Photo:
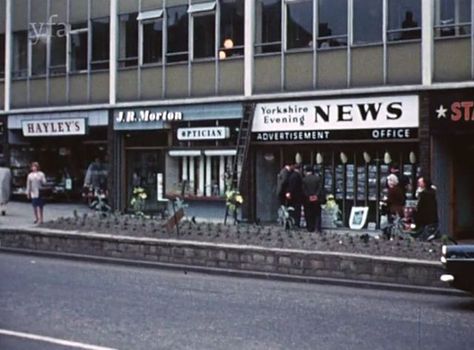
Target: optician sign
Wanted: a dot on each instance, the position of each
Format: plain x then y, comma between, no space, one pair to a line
394,117
205,133
54,127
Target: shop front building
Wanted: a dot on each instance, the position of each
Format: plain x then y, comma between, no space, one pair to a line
175,151
64,144
349,142
452,135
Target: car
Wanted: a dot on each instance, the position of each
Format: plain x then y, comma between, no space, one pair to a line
458,261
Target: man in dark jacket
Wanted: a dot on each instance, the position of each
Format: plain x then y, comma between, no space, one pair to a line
282,183
295,194
427,208
312,190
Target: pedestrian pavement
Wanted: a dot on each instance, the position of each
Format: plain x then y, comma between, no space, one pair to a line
19,214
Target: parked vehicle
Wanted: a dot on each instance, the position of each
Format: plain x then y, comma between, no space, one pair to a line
458,261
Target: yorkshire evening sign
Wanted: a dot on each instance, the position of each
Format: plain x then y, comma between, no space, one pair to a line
205,133
360,118
54,127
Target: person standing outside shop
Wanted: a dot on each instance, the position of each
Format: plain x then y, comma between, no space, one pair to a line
312,200
96,175
295,195
427,207
34,182
403,181
282,183
5,187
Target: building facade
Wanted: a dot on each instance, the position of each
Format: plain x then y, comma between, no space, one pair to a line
160,89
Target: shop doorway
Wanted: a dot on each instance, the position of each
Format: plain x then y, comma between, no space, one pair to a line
463,189
143,167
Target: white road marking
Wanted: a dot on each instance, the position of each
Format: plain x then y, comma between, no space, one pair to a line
71,344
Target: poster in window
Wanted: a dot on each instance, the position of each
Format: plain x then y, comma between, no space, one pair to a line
358,217
339,178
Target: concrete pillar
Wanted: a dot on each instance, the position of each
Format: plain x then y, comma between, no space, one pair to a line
201,175
192,185
249,29
8,54
208,186
221,175
427,10
113,51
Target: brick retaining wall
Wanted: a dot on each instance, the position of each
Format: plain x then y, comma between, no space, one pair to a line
237,257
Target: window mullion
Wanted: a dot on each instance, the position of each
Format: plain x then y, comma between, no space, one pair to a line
384,38
140,43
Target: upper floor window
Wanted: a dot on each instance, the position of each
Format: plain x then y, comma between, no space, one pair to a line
452,17
58,44
78,47
204,29
332,23
177,25
299,24
100,43
128,40
20,54
152,27
404,20
38,43
231,28
268,26
368,21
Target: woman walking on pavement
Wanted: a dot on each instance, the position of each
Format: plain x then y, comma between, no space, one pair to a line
34,182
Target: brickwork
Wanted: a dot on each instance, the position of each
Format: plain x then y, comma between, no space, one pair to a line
245,258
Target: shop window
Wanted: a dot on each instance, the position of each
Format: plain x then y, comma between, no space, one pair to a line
231,28
204,32
368,21
20,54
452,18
404,20
100,43
128,40
58,43
268,26
153,41
2,54
177,31
299,25
78,37
332,23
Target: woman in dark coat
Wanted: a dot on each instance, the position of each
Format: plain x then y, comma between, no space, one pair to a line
427,208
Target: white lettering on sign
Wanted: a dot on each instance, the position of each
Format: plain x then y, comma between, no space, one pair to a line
147,116
205,133
54,127
338,114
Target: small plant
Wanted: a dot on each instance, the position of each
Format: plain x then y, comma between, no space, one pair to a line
137,202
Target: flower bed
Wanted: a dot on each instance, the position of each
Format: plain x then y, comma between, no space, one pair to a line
266,236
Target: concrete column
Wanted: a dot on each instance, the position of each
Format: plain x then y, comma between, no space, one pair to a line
208,185
201,175
8,54
192,185
113,51
184,169
221,175
249,29
427,9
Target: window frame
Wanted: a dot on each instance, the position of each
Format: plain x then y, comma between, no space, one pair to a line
148,17
287,3
237,51
347,36
401,30
50,68
384,18
191,32
122,61
188,53
456,25
90,59
32,36
70,33
22,73
259,46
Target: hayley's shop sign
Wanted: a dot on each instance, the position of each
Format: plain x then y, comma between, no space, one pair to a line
361,118
206,133
54,127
